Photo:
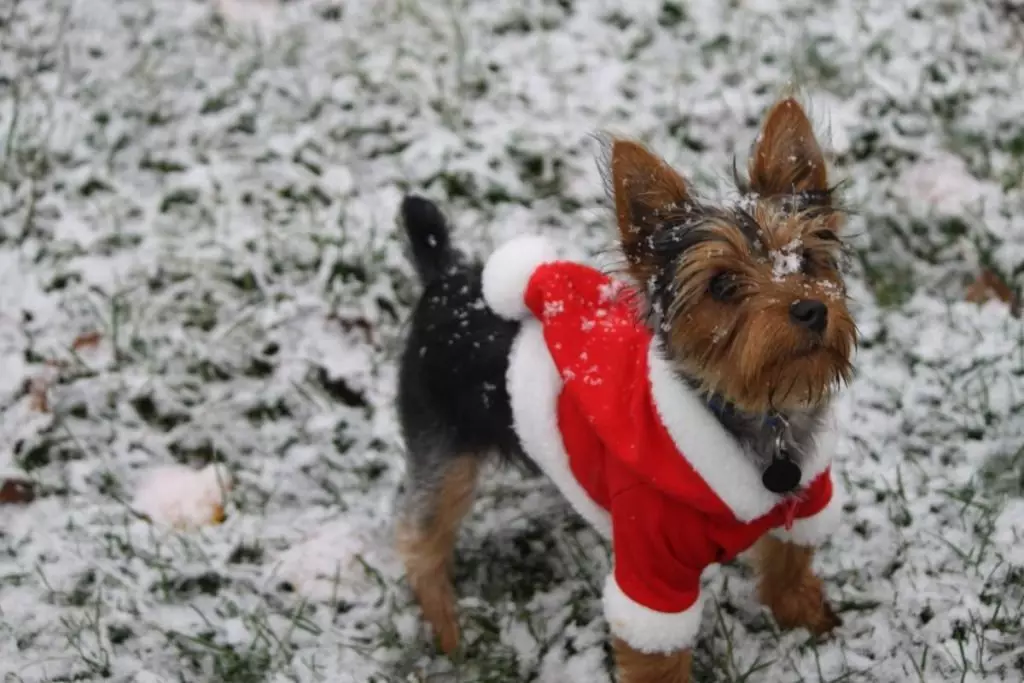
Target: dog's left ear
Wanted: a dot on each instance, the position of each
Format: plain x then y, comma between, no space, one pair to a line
787,158
647,192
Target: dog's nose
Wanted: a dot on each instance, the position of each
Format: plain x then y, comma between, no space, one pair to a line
809,313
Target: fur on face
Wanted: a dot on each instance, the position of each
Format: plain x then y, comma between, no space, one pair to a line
748,299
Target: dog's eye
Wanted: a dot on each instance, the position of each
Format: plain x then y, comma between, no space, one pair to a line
723,287
815,263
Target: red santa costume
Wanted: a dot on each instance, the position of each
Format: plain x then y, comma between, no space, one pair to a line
633,448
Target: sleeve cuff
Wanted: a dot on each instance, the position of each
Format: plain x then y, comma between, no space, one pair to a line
648,630
817,528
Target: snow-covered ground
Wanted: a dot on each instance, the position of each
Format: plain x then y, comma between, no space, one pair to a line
199,264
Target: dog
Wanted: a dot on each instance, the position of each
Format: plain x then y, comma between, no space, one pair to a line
684,410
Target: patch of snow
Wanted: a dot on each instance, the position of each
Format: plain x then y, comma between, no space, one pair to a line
943,184
261,16
330,564
183,497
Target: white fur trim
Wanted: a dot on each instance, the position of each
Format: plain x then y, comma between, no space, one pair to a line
534,386
816,529
645,629
713,452
508,271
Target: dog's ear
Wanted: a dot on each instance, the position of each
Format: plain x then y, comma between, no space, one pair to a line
787,158
647,191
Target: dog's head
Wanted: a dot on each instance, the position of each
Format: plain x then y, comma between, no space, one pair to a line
748,299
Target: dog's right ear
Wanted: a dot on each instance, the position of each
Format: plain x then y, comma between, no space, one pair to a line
647,191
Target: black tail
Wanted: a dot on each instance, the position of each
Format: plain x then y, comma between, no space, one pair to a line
427,231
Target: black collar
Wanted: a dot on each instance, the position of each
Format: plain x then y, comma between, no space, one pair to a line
726,412
782,475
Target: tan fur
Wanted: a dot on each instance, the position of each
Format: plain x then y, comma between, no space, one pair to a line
787,156
789,588
427,551
642,667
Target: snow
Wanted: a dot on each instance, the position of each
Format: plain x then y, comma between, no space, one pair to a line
182,497
210,186
328,565
789,260
945,184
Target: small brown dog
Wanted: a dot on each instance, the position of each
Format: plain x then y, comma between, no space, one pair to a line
685,414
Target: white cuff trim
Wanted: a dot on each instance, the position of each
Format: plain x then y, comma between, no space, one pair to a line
645,629
816,529
508,271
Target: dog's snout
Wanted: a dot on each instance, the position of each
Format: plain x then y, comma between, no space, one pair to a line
809,313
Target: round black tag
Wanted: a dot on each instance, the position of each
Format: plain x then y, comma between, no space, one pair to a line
782,476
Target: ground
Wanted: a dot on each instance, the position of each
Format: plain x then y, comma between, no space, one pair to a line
199,264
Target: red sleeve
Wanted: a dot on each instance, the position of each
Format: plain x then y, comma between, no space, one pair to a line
653,600
657,562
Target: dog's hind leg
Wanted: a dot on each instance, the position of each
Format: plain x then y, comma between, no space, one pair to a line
435,504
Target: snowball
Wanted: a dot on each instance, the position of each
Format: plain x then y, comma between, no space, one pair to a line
183,498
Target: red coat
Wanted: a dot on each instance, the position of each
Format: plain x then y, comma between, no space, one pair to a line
633,448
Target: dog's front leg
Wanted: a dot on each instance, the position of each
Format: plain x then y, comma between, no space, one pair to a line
789,587
635,666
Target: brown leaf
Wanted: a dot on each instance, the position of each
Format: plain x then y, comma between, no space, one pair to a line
14,491
86,341
39,385
38,399
989,285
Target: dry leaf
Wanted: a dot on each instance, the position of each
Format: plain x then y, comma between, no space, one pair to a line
37,391
86,341
989,285
17,491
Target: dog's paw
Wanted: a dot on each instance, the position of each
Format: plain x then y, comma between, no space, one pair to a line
829,621
804,605
446,632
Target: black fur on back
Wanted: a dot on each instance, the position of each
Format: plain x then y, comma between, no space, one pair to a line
452,397
427,232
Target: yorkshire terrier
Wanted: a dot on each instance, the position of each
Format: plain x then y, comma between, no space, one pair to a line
683,410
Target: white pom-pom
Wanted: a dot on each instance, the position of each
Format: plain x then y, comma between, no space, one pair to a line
508,271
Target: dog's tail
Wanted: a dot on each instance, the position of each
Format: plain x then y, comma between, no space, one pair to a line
427,231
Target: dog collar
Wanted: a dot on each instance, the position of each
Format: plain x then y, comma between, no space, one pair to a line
782,475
